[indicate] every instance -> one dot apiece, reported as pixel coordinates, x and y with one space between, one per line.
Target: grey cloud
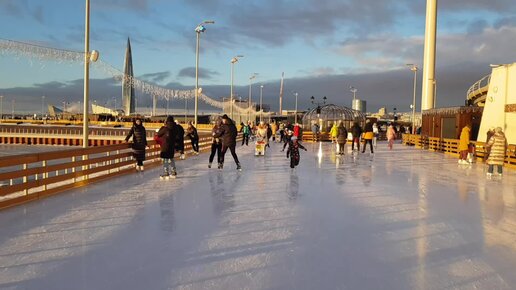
157 77
270 22
389 89
189 72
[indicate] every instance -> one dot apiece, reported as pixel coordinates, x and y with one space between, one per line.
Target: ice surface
401 219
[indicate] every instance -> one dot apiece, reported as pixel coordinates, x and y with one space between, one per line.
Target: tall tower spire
127 89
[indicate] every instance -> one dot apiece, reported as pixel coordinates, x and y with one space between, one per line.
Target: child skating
293 151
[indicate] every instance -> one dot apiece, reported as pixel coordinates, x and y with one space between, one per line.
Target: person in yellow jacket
368 136
334 132
464 144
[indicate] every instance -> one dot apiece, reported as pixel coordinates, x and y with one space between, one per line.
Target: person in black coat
293 151
356 131
180 140
139 142
216 144
191 132
228 133
168 136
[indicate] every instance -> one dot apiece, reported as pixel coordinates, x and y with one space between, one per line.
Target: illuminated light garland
42 53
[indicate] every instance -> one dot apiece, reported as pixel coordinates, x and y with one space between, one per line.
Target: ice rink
401 219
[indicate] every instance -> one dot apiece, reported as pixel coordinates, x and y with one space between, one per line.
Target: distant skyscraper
127 89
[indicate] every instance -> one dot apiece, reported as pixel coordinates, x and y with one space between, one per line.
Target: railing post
45 173
25 167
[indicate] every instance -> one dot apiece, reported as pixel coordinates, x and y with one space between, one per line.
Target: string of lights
41 54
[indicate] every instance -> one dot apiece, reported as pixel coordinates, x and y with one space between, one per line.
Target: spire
128 104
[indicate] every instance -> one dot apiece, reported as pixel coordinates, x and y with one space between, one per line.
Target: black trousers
294 161
370 141
245 139
233 153
215 148
195 144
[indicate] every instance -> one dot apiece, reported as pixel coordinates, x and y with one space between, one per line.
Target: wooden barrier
451 147
30 177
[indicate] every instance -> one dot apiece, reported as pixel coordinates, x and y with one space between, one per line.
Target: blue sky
323 46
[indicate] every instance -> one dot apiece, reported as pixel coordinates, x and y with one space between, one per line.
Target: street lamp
198 30
253 76
295 117
414 68
261 102
42 106
233 61
354 91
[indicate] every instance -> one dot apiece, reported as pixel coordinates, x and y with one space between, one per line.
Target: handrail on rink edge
451 147
30 177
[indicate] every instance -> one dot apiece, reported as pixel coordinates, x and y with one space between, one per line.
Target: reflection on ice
401 219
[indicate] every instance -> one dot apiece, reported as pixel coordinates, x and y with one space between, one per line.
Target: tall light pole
253 76
88 56
42 106
354 91
261 102
86 96
233 61
295 117
414 68
428 87
1 108
198 30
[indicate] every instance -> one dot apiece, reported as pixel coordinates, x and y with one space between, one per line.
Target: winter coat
368 132
297 129
180 137
261 133
228 133
498 146
391 134
168 135
356 131
334 132
191 132
464 139
274 128
293 149
139 136
246 130
342 135
214 131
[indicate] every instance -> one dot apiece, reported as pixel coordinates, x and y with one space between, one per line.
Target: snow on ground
401 219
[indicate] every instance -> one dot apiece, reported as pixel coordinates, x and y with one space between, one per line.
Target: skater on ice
228 133
293 151
168 136
139 144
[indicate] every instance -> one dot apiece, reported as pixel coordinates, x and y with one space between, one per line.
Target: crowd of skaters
171 135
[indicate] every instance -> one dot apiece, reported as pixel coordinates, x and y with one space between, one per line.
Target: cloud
276 23
189 72
157 77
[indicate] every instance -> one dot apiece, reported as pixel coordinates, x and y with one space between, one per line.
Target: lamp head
94 55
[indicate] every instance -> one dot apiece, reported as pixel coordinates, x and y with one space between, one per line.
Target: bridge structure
401 219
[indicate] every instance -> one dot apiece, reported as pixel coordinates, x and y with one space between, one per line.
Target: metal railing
478 89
